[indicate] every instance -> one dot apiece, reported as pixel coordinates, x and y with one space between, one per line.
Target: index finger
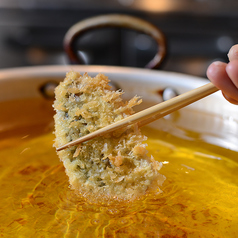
233 53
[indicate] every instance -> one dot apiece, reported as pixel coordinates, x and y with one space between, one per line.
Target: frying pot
212 118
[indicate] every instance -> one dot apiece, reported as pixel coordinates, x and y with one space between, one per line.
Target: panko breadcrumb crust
115 166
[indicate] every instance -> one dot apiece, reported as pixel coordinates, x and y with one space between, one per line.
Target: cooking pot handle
115 20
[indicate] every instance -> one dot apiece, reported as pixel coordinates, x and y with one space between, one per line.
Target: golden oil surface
199 199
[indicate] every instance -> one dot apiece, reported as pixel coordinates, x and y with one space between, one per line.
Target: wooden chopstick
150 114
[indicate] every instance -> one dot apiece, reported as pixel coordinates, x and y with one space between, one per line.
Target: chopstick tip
60 148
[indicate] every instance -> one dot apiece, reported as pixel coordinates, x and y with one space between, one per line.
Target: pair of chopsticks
150 114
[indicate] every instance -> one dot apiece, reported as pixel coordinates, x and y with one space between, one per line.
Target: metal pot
211 120
212 116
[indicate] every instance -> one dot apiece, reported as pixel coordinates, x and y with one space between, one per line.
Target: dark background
198 32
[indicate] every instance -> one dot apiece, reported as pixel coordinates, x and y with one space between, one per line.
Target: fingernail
218 63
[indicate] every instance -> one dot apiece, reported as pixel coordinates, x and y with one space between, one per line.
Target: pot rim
57 70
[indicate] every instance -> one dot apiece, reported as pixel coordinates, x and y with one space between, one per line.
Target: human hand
225 76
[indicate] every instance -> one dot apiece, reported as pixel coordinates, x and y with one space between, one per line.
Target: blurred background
198 32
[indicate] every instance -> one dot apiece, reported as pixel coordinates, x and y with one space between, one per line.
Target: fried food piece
115 166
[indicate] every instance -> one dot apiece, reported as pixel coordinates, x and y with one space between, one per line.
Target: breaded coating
115 166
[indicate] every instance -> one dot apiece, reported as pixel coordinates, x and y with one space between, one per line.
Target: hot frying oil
199 199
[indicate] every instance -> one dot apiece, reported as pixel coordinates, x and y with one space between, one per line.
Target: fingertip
233 53
216 70
233 67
